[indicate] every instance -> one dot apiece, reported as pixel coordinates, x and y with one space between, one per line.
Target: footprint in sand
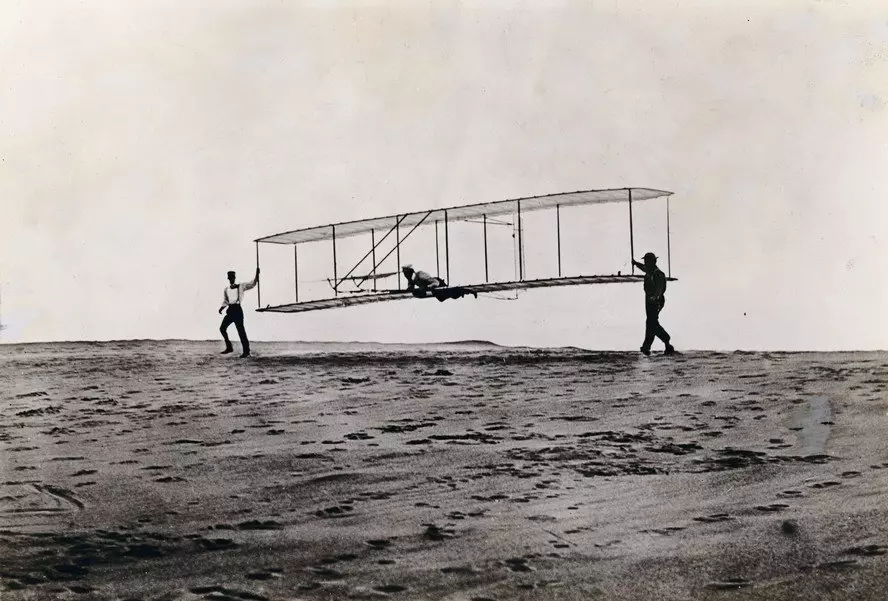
433 532
379 543
868 550
729 584
337 511
220 593
772 507
169 479
271 574
215 544
459 570
841 564
345 557
826 484
667 531
327 573
718 517
337 558
259 525
390 588
518 564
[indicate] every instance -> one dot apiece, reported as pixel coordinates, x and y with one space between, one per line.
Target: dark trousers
653 329
235 315
455 292
443 293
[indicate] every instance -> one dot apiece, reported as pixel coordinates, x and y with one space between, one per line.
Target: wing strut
437 253
447 244
631 236
335 279
668 244
486 275
520 246
558 231
258 285
373 250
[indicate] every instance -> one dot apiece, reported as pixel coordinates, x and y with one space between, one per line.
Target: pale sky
145 145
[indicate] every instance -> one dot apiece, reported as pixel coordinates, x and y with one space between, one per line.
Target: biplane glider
358 283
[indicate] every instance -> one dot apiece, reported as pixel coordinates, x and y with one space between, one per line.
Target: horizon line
444 342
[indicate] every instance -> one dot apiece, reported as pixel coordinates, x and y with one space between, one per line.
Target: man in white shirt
234 314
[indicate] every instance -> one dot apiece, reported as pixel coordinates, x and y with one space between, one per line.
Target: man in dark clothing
422 285
655 298
232 296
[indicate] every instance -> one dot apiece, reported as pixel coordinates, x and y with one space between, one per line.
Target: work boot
244 355
227 350
670 350
645 351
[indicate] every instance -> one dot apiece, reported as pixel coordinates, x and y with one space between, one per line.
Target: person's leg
663 335
241 332
650 327
661 332
460 292
226 321
454 293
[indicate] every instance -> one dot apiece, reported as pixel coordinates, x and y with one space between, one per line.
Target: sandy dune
165 471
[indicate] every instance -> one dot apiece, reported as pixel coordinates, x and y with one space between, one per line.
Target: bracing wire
495 296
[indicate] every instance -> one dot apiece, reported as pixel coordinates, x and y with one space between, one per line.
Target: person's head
650 259
408 270
231 276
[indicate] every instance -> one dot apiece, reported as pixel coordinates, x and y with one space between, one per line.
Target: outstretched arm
250 285
639 265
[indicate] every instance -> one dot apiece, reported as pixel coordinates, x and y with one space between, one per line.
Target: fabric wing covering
489 209
375 297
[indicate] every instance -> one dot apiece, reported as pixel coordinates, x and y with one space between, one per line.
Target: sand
162 470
